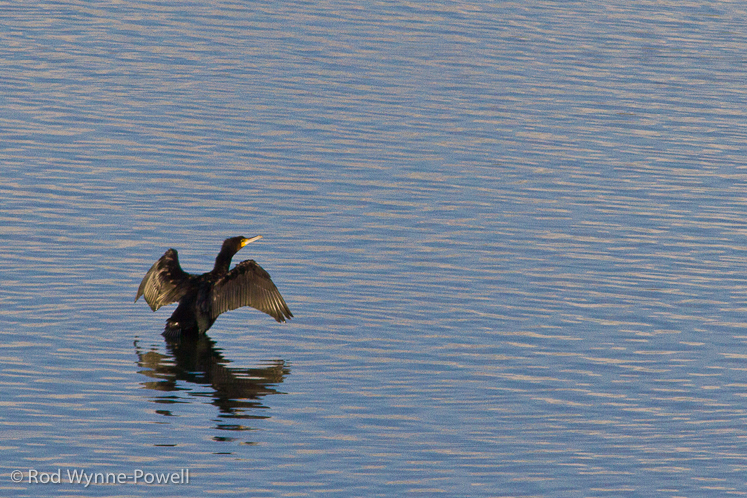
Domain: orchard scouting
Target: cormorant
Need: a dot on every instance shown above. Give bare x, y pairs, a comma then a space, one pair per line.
203, 297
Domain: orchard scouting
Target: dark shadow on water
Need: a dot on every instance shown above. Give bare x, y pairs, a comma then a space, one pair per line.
192, 363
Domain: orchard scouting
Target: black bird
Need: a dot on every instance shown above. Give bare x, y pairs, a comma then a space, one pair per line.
203, 297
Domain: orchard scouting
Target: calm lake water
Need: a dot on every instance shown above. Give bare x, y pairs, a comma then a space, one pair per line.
512, 236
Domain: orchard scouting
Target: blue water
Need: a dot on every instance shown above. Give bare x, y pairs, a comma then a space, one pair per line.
511, 236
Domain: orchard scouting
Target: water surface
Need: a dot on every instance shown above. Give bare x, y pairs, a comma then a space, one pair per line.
511, 235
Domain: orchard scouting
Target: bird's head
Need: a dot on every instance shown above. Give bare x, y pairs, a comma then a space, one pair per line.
234, 244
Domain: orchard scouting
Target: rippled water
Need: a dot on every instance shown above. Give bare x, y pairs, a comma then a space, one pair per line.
511, 235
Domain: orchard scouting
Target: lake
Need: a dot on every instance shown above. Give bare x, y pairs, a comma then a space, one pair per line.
512, 236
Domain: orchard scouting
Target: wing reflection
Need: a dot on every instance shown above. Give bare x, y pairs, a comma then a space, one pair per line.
191, 363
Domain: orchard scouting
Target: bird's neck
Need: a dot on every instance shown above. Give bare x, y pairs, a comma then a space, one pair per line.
223, 262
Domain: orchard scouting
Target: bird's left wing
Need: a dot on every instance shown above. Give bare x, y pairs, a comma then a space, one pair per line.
165, 282
248, 284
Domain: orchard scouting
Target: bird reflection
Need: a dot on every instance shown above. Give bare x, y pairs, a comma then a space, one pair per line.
236, 392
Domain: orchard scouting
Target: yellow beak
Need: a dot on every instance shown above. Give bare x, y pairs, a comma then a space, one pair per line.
247, 241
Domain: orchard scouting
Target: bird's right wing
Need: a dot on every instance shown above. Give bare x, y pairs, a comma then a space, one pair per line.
248, 284
165, 282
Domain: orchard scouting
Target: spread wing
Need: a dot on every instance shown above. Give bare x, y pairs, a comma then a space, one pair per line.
248, 284
165, 282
